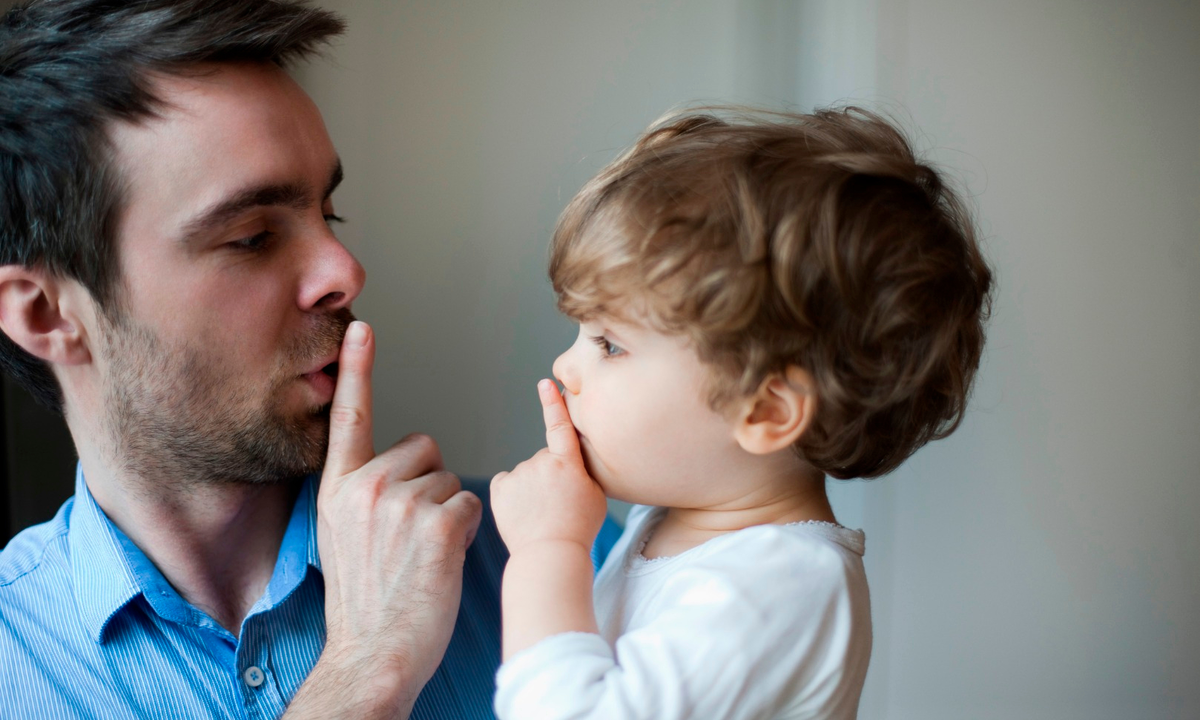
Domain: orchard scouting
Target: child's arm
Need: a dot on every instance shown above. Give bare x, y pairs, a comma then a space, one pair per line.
737, 638
548, 511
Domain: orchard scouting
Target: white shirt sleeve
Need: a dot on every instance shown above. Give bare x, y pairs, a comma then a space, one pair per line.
747, 634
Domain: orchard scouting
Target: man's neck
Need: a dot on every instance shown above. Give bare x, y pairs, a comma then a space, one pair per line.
215, 543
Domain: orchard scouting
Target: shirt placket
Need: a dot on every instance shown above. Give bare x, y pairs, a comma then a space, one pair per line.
255, 676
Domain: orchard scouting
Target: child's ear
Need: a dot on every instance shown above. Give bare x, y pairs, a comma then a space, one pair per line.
41, 313
778, 414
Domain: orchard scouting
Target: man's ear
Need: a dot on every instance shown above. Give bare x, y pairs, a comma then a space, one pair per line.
778, 414
41, 313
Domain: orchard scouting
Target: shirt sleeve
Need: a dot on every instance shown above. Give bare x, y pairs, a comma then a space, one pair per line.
730, 642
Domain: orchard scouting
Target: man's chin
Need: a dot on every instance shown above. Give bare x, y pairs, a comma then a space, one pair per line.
286, 448
316, 431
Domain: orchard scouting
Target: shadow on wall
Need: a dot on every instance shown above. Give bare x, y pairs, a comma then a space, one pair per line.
37, 462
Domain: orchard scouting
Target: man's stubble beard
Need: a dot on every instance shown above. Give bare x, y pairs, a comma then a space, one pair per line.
175, 416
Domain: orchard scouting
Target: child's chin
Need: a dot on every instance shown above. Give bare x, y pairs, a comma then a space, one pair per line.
611, 485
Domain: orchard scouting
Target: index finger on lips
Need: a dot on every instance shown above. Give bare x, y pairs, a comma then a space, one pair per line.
350, 443
560, 432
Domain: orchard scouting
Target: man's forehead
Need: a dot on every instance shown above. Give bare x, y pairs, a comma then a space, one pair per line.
198, 94
219, 129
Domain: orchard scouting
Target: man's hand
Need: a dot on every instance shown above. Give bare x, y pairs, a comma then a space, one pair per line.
392, 531
550, 496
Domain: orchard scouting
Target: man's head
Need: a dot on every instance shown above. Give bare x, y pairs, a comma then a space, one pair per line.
772, 242
166, 256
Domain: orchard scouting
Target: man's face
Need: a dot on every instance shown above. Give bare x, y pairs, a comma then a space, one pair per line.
234, 292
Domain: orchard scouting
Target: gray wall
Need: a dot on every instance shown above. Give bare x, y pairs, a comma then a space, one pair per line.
1038, 564
1041, 563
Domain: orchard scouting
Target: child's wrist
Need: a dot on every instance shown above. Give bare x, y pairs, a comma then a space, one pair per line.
550, 549
547, 590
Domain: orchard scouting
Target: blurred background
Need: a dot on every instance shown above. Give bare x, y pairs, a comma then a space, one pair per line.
1041, 562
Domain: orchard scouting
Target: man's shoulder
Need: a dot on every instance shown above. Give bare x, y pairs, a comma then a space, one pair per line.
34, 578
36, 548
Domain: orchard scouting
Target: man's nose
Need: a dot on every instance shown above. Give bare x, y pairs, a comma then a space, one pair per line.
333, 278
564, 369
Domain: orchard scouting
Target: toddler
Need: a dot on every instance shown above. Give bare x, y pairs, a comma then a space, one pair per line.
763, 301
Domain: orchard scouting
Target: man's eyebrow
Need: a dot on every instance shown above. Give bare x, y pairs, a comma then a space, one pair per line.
293, 195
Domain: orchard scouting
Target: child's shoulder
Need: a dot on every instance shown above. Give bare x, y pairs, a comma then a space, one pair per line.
807, 554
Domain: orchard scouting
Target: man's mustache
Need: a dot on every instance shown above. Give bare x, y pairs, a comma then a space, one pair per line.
324, 338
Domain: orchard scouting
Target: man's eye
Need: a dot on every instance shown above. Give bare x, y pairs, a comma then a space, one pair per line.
331, 218
253, 243
608, 347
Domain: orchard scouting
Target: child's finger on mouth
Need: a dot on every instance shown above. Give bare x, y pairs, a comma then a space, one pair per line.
560, 432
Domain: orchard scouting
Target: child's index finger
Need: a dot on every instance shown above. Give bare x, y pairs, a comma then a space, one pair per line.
560, 431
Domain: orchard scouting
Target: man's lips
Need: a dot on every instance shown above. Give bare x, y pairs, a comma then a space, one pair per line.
325, 366
323, 378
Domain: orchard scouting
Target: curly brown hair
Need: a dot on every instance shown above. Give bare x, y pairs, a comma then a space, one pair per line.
773, 240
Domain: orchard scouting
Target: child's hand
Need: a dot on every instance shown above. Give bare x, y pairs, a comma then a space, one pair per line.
550, 496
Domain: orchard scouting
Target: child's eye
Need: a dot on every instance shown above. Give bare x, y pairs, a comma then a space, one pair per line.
607, 346
331, 218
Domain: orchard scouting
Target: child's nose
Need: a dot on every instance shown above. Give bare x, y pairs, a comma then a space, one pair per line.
564, 370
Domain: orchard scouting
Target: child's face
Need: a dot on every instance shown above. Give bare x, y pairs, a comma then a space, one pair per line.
638, 399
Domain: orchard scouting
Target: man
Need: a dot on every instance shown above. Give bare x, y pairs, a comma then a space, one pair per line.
170, 281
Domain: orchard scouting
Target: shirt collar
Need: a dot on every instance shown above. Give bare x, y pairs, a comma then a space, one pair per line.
109, 570
103, 579
298, 550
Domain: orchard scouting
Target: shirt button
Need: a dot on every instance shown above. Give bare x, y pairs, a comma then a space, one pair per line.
253, 676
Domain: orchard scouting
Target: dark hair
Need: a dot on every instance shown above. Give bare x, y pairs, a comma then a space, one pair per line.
773, 240
68, 68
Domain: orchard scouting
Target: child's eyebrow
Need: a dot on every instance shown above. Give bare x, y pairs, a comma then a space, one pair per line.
618, 336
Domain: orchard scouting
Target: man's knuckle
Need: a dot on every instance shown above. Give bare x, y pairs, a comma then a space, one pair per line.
376, 482
347, 416
444, 528
420, 442
402, 495
449, 479
471, 502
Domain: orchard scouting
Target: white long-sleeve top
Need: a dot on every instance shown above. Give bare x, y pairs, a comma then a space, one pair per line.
771, 622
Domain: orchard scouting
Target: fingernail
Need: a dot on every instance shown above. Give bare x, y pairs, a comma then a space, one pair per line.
544, 386
356, 334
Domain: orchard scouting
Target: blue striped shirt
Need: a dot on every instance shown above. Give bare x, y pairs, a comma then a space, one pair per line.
91, 628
